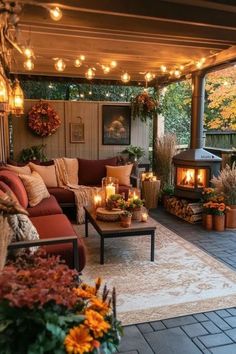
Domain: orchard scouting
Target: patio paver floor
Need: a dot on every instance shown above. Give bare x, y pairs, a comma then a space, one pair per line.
209, 333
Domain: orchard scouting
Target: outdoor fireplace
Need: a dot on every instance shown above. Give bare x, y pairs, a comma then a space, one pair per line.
195, 167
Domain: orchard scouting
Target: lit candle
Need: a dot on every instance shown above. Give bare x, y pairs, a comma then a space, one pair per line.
110, 190
135, 196
97, 201
144, 217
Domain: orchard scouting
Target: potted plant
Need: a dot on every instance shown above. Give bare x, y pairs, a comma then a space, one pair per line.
134, 153
135, 206
219, 216
113, 201
225, 183
208, 215
166, 193
126, 218
33, 153
143, 106
208, 194
44, 309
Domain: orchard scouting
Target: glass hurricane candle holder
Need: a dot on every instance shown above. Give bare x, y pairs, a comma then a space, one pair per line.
110, 186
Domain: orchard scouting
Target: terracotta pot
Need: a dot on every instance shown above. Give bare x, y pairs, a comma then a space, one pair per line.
165, 198
125, 221
208, 222
136, 214
219, 222
231, 217
204, 220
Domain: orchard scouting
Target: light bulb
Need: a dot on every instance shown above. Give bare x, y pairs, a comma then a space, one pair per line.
82, 95
82, 57
199, 64
90, 93
77, 63
107, 94
113, 64
28, 52
106, 69
181, 67
149, 76
28, 65
163, 68
56, 13
60, 65
177, 73
125, 77
90, 74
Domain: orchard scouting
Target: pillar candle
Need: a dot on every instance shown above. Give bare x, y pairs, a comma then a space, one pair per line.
144, 217
110, 189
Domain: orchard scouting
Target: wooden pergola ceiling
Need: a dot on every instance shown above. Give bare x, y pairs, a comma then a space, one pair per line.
140, 35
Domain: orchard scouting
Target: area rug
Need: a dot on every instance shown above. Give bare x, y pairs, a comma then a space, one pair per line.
183, 279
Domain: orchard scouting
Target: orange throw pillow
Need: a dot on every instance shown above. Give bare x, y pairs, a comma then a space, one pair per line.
35, 188
122, 173
48, 174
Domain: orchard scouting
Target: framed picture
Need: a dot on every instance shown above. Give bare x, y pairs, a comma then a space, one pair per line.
77, 132
116, 124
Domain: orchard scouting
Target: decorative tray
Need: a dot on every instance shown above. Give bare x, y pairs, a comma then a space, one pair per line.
108, 215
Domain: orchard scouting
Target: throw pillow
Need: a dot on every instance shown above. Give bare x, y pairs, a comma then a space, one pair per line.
91, 172
35, 188
25, 170
122, 173
22, 230
16, 185
48, 174
72, 168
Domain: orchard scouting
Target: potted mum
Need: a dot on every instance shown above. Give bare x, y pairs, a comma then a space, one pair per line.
125, 218
225, 183
44, 309
219, 210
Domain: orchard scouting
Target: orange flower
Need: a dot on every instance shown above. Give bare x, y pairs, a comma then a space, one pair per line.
96, 323
99, 306
78, 341
221, 208
82, 293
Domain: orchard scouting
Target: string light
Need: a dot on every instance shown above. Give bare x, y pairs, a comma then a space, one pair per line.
82, 57
149, 76
107, 94
125, 77
55, 13
29, 65
60, 65
177, 73
181, 67
106, 69
77, 63
90, 93
113, 64
28, 52
90, 74
82, 95
163, 68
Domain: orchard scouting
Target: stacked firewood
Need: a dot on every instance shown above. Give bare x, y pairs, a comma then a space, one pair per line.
189, 211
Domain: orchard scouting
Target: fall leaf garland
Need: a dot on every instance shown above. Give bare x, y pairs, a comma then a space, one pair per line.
43, 120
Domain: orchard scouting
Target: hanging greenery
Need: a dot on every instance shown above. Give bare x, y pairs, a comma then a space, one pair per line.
144, 106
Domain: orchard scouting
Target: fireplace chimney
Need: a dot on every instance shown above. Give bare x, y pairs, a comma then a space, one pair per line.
197, 110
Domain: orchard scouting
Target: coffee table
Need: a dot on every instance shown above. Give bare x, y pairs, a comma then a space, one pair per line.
113, 230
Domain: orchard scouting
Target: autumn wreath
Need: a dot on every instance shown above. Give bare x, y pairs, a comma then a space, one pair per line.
43, 119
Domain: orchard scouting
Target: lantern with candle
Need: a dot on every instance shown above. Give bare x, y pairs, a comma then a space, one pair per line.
110, 186
97, 201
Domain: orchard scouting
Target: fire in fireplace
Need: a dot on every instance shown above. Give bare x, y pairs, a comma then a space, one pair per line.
195, 167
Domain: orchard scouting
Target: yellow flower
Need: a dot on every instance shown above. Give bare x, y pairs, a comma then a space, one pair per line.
99, 306
96, 323
78, 341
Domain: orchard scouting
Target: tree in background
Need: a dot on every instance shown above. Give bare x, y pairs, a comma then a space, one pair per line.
175, 104
220, 105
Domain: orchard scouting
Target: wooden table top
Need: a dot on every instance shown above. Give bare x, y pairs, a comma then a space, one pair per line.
110, 226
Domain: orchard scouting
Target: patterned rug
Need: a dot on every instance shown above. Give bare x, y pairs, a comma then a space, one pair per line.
183, 279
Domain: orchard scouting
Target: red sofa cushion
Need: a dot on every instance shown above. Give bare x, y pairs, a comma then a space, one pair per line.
47, 206
59, 226
91, 172
62, 195
15, 184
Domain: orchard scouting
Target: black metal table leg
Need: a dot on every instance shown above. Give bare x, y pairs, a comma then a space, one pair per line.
152, 245
86, 224
102, 250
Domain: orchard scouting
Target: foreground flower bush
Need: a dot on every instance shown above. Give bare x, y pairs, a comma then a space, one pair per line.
44, 309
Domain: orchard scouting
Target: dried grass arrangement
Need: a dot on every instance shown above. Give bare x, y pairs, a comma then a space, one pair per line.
165, 149
225, 183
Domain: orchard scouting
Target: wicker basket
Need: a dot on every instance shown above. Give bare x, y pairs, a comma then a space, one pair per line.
108, 215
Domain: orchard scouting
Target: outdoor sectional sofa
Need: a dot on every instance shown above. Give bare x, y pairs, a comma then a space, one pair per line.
48, 217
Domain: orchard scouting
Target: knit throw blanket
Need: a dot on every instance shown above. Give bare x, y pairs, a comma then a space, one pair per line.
84, 195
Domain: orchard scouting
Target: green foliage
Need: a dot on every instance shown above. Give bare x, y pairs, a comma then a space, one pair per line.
35, 152
168, 189
134, 152
175, 105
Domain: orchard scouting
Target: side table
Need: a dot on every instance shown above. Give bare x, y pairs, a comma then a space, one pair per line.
150, 191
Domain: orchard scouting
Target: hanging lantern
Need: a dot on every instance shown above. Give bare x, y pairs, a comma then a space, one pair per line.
77, 63
125, 77
17, 99
60, 65
90, 74
55, 13
29, 65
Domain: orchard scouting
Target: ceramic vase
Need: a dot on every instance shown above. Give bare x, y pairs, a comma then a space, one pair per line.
125, 221
231, 217
209, 222
219, 223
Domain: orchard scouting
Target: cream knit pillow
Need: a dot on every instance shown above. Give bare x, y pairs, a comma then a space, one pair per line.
35, 188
